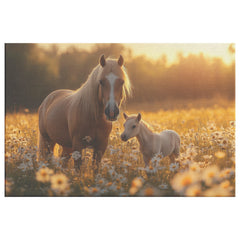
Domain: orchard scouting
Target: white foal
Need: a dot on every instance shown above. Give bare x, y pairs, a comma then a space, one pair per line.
166, 143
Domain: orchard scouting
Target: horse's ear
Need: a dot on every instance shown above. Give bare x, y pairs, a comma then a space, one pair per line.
120, 61
102, 61
139, 117
125, 115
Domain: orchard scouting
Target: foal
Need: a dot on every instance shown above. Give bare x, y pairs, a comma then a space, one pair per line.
166, 143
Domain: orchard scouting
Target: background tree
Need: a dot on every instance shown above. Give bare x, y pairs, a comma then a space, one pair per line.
31, 73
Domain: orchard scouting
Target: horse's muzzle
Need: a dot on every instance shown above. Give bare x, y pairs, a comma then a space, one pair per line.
112, 114
124, 137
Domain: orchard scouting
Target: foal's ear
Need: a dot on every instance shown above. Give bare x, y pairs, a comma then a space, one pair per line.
120, 61
139, 117
125, 115
102, 61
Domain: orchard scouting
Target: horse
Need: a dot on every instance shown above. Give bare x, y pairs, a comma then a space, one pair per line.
83, 118
166, 143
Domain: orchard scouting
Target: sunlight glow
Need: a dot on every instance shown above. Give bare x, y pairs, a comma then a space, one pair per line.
171, 50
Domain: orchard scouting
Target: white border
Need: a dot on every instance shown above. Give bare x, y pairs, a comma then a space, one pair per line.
121, 21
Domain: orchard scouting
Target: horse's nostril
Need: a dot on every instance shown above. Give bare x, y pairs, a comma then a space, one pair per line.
123, 136
116, 111
107, 111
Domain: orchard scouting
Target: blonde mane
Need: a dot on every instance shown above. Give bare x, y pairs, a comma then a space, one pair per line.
127, 88
87, 94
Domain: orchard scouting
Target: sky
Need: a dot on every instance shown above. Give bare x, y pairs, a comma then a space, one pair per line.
156, 50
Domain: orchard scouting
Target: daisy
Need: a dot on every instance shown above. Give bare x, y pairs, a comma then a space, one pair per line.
126, 164
211, 126
112, 172
87, 139
226, 185
94, 191
44, 174
183, 180
59, 183
133, 190
113, 187
137, 182
224, 142
193, 191
191, 152
210, 175
220, 154
194, 167
148, 192
150, 169
207, 158
226, 173
217, 191
174, 167
76, 155
163, 186
156, 159
106, 161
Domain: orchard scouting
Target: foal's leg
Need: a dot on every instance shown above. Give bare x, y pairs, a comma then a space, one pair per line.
172, 158
45, 147
146, 160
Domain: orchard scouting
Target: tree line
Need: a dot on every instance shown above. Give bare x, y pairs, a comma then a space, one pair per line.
32, 72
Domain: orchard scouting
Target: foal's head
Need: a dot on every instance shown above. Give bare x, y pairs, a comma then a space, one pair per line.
131, 126
113, 86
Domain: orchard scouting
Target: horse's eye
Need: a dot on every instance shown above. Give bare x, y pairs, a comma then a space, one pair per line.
133, 126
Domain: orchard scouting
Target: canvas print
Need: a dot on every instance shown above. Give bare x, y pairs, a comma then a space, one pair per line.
120, 119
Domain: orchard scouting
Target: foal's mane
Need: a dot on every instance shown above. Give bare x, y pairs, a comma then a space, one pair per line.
87, 94
146, 125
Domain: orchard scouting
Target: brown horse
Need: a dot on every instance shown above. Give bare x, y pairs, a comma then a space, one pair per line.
82, 118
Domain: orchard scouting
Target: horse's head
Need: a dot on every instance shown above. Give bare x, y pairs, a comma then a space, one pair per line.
112, 86
131, 126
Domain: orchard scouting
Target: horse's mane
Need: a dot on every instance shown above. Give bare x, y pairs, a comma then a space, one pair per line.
87, 94
127, 88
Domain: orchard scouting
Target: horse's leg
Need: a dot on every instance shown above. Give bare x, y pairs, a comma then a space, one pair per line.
97, 156
66, 155
99, 150
77, 146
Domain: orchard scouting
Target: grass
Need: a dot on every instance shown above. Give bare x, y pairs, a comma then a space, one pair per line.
206, 166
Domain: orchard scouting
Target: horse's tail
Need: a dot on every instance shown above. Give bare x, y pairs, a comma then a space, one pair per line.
177, 145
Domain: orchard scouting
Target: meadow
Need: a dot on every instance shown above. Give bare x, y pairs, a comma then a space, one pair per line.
205, 167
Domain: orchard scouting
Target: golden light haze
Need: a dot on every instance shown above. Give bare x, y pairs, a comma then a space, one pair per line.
171, 50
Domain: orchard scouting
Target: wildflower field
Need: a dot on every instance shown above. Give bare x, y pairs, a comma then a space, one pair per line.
205, 167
